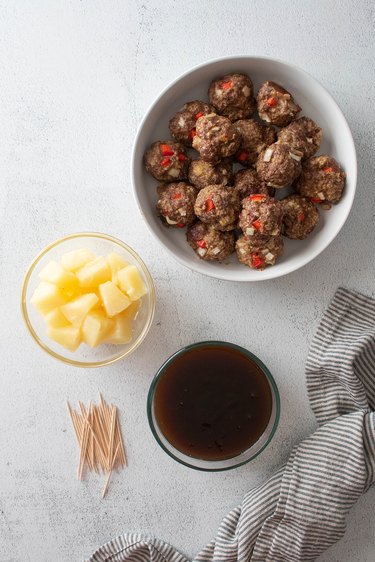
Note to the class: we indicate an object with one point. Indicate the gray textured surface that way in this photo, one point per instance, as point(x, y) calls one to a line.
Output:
point(76, 78)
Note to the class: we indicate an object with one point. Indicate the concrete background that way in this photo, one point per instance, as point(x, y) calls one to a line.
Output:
point(75, 80)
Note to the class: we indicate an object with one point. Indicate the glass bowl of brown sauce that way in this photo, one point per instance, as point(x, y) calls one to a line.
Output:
point(213, 406)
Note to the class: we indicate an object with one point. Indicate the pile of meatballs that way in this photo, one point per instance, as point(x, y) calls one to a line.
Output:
point(226, 211)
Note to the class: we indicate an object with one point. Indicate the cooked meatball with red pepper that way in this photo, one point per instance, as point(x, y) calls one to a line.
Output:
point(303, 135)
point(203, 173)
point(300, 217)
point(232, 95)
point(216, 138)
point(219, 206)
point(182, 125)
point(176, 204)
point(259, 253)
point(247, 182)
point(261, 215)
point(167, 161)
point(276, 105)
point(279, 165)
point(254, 138)
point(209, 243)
point(322, 180)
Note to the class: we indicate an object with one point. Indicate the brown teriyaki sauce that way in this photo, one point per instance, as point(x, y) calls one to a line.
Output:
point(213, 402)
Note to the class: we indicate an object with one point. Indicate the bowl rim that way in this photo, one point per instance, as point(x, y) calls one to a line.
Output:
point(268, 273)
point(214, 343)
point(24, 303)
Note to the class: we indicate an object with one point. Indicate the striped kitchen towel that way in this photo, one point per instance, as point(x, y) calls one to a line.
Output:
point(301, 510)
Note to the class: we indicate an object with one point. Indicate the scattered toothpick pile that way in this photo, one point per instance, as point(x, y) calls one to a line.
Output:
point(98, 433)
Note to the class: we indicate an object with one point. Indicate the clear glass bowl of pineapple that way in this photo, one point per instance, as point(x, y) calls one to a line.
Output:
point(88, 299)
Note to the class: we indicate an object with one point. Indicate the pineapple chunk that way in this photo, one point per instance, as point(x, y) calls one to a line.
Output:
point(56, 319)
point(72, 292)
point(95, 328)
point(99, 304)
point(67, 336)
point(122, 331)
point(76, 259)
point(131, 282)
point(46, 297)
point(114, 301)
point(54, 272)
point(132, 310)
point(94, 273)
point(76, 310)
point(115, 262)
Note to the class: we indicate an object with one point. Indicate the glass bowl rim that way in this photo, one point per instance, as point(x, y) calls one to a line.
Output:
point(212, 343)
point(31, 268)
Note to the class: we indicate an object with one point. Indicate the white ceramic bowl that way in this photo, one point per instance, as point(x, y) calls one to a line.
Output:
point(316, 103)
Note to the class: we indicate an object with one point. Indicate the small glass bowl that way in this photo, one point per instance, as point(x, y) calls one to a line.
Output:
point(84, 356)
point(214, 465)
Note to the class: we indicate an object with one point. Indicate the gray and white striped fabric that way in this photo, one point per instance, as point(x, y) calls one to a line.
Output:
point(301, 510)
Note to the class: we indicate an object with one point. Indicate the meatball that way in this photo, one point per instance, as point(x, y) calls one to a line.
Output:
point(322, 180)
point(254, 138)
point(182, 125)
point(278, 165)
point(303, 135)
point(300, 217)
point(219, 206)
point(209, 243)
point(203, 173)
point(232, 95)
point(167, 161)
point(216, 138)
point(276, 105)
point(261, 215)
point(259, 253)
point(247, 182)
point(176, 204)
